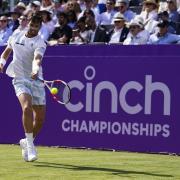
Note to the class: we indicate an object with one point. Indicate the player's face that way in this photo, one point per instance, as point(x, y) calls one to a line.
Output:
point(34, 29)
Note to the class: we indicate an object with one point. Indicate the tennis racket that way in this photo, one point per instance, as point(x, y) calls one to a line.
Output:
point(62, 93)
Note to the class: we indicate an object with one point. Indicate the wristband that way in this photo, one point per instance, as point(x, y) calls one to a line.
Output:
point(2, 61)
point(35, 67)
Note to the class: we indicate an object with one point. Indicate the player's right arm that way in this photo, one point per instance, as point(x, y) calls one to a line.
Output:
point(4, 56)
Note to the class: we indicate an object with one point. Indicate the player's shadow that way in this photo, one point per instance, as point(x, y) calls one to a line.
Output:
point(91, 168)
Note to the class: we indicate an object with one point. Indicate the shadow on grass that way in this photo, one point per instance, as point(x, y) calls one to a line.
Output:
point(90, 168)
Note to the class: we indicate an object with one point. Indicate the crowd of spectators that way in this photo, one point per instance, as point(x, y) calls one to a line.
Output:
point(126, 22)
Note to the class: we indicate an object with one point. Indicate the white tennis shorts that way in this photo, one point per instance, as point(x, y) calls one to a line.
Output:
point(32, 87)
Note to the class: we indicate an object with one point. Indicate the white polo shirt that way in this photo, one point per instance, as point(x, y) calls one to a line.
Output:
point(24, 49)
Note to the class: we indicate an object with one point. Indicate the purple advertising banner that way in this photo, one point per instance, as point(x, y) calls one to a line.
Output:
point(123, 97)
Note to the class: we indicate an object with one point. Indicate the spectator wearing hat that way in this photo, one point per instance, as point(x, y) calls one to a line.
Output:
point(136, 35)
point(106, 18)
point(35, 6)
point(47, 21)
point(163, 36)
point(165, 17)
point(21, 7)
point(120, 31)
point(123, 8)
point(5, 31)
point(149, 11)
point(63, 33)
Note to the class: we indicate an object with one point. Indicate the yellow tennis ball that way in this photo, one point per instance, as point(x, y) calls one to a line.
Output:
point(54, 91)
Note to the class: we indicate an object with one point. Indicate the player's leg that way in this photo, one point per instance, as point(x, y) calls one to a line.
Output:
point(27, 112)
point(27, 117)
point(39, 112)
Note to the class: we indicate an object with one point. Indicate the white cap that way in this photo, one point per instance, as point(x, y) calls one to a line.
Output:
point(136, 22)
point(37, 3)
point(21, 4)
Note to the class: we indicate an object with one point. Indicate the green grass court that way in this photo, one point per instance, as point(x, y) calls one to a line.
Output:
point(77, 164)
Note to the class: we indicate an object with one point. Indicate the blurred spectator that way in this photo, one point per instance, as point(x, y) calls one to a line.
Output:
point(136, 35)
point(47, 21)
point(172, 10)
point(63, 33)
point(123, 8)
point(162, 36)
point(80, 34)
point(21, 7)
point(89, 4)
point(149, 11)
point(107, 17)
point(47, 5)
point(72, 19)
point(5, 31)
point(35, 6)
point(165, 17)
point(120, 31)
point(14, 22)
point(98, 33)
point(72, 5)
point(23, 22)
point(149, 15)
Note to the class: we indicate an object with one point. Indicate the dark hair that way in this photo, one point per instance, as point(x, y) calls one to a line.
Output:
point(36, 18)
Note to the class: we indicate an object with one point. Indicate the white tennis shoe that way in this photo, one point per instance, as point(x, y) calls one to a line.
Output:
point(32, 154)
point(29, 154)
point(23, 145)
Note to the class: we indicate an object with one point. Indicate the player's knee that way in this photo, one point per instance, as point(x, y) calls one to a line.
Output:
point(27, 109)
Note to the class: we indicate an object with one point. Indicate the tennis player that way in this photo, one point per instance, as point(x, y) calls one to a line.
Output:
point(28, 49)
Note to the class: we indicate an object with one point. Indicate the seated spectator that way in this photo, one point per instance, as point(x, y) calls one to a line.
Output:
point(149, 11)
point(106, 18)
point(5, 31)
point(123, 8)
point(165, 17)
point(80, 34)
point(89, 4)
point(162, 36)
point(72, 19)
point(172, 10)
point(63, 33)
point(98, 33)
point(47, 5)
point(47, 21)
point(120, 31)
point(21, 7)
point(14, 22)
point(23, 22)
point(35, 6)
point(136, 35)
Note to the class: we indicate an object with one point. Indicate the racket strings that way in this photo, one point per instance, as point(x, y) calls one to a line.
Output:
point(63, 94)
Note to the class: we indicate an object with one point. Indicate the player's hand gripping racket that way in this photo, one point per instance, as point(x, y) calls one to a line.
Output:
point(59, 90)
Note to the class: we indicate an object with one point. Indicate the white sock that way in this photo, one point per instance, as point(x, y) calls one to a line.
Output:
point(29, 139)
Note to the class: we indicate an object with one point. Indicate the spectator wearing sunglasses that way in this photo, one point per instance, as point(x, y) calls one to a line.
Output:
point(106, 18)
point(136, 34)
point(23, 22)
point(123, 8)
point(120, 31)
point(5, 31)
